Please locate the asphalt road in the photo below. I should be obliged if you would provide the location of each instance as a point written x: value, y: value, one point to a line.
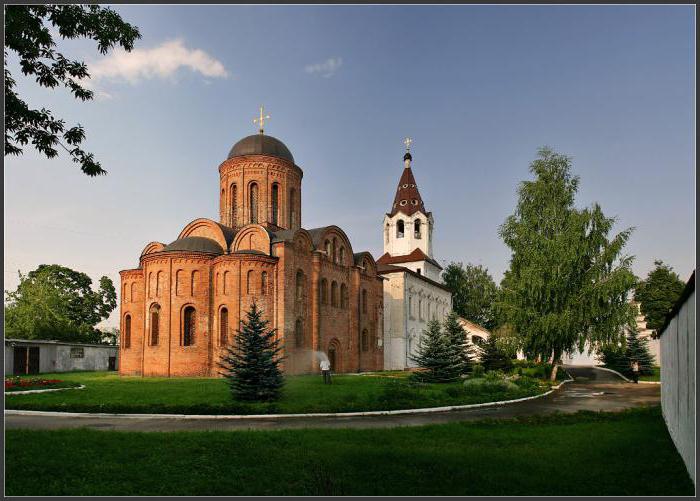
x: 592, y: 390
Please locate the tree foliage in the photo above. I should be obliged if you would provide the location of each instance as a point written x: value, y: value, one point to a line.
x: 493, y: 356
x: 251, y: 365
x: 658, y: 294
x: 568, y: 280
x: 439, y: 357
x: 621, y: 355
x: 55, y: 302
x: 28, y: 34
x: 473, y: 292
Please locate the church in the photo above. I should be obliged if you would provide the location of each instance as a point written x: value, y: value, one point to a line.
x: 413, y: 292
x: 184, y: 302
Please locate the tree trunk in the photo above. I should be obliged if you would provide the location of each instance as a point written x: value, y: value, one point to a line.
x: 555, y: 360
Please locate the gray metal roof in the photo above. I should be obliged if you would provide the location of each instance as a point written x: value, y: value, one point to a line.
x: 194, y: 244
x: 261, y: 144
x: 62, y: 343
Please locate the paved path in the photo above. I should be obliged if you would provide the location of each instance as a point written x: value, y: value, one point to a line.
x: 593, y: 390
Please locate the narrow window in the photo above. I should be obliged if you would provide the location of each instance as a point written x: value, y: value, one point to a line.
x: 410, y: 306
x: 299, y: 333
x: 233, y: 214
x: 399, y: 228
x: 193, y: 282
x: 344, y: 296
x: 133, y: 292
x: 223, y: 326
x: 155, y: 324
x: 300, y: 285
x: 364, y: 301
x: 249, y: 282
x: 416, y: 229
x: 275, y: 196
x: 365, y: 340
x: 341, y: 256
x: 418, y: 271
x: 324, y: 291
x: 263, y: 283
x: 386, y: 233
x: 158, y: 281
x: 292, y: 209
x: 334, y: 293
x: 127, y: 331
x: 253, y: 202
x: 226, y: 281
x: 188, y: 326
x: 335, y: 250
x: 329, y: 249
x: 420, y: 309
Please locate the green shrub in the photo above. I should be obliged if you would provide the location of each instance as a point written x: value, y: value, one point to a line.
x: 478, y: 371
x: 484, y: 385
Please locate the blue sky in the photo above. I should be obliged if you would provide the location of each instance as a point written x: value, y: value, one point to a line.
x: 479, y: 88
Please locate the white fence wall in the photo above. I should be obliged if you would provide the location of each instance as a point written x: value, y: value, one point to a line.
x: 678, y: 381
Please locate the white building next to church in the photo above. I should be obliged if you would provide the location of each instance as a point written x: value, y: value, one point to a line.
x: 413, y: 292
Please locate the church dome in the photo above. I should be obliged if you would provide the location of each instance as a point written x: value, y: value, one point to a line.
x: 194, y: 244
x: 261, y: 144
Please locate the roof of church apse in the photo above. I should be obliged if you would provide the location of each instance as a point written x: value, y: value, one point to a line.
x: 261, y: 144
x: 194, y: 244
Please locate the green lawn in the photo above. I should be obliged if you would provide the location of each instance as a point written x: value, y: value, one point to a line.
x: 109, y: 392
x: 586, y: 454
x: 653, y: 377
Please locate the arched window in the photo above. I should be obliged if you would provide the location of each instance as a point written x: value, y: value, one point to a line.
x: 149, y: 285
x: 364, y: 301
x: 193, y: 282
x: 179, y: 282
x: 324, y: 291
x: 329, y: 249
x: 249, y: 282
x: 188, y: 326
x: 226, y: 281
x: 335, y: 250
x: 300, y: 285
x: 233, y: 215
x: 416, y: 229
x: 275, y: 198
x: 334, y: 293
x: 263, y: 283
x: 365, y: 340
x: 127, y: 331
x: 299, y: 334
x: 155, y: 324
x: 386, y: 233
x: 133, y: 292
x: 292, y: 208
x: 420, y: 309
x: 344, y: 299
x: 223, y: 326
x: 125, y: 288
x: 341, y: 255
x: 399, y: 228
x: 253, y: 194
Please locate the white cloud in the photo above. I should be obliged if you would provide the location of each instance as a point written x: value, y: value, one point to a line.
x: 326, y: 69
x: 162, y: 61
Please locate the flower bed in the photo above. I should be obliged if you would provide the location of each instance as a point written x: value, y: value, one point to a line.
x: 17, y: 383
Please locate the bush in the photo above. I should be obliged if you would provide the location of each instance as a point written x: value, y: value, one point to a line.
x: 479, y: 386
x: 477, y: 371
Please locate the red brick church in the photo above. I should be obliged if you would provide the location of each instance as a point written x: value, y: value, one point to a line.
x: 185, y: 300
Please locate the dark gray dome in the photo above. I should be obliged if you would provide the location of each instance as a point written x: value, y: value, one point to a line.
x: 195, y: 244
x: 260, y: 144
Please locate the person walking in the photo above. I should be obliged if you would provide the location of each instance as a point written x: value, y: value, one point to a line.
x: 635, y: 371
x: 326, y: 371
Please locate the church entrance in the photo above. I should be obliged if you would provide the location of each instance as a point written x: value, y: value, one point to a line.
x: 334, y: 356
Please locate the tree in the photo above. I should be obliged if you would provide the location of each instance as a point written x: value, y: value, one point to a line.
x: 110, y: 336
x: 493, y: 357
x: 55, y: 302
x: 473, y: 292
x: 454, y: 331
x: 27, y: 33
x: 568, y: 281
x: 251, y: 366
x: 658, y: 294
x: 620, y: 356
x: 438, y: 356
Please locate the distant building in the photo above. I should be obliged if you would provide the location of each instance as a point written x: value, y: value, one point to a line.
x: 413, y: 293
x: 36, y: 356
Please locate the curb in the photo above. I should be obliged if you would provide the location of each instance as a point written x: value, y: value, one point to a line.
x: 17, y: 412
x: 27, y: 392
x: 625, y: 378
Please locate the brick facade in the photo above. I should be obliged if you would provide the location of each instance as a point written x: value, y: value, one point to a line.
x: 183, y: 303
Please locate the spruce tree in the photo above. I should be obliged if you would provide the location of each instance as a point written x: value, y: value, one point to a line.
x: 638, y: 349
x: 251, y: 366
x: 438, y: 356
x: 493, y: 357
x: 456, y: 333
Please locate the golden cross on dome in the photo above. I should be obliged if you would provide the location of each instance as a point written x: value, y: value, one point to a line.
x: 261, y: 119
x: 408, y: 142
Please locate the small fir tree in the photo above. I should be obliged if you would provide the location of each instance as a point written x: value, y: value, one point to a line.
x: 438, y: 356
x: 620, y: 357
x: 251, y: 366
x: 456, y: 333
x: 493, y: 357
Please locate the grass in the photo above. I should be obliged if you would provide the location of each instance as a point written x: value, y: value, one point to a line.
x: 652, y: 377
x: 109, y: 392
x: 587, y: 454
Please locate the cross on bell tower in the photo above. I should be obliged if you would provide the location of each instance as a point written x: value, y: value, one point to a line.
x: 261, y: 119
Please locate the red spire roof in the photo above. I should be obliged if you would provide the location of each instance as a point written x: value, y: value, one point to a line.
x: 407, y: 199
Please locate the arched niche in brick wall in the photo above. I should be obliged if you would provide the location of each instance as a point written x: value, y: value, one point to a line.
x: 151, y: 248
